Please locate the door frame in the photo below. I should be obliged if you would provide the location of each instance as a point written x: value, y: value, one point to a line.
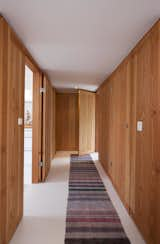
x: 36, y: 122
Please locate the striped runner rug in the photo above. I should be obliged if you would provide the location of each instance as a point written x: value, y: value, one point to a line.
x: 91, y: 217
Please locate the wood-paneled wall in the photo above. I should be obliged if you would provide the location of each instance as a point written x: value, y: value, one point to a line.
x: 13, y: 57
x: 75, y: 121
x: 131, y: 158
x: 12, y: 148
x: 86, y: 122
x: 3, y: 131
x: 67, y: 121
x: 145, y: 172
x: 114, y: 101
x: 15, y: 135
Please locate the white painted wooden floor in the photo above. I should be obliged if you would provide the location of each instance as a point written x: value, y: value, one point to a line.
x: 28, y: 156
x: 45, y: 207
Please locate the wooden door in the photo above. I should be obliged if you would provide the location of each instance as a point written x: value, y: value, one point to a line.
x: 37, y: 126
x: 86, y: 122
x: 53, y: 119
x: 67, y: 121
x: 46, y: 134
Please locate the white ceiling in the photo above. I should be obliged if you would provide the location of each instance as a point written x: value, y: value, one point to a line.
x: 80, y: 42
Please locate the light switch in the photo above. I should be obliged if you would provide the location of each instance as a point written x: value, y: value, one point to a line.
x: 20, y: 121
x: 139, y: 125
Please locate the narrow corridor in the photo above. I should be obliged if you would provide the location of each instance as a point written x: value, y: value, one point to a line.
x: 45, y: 207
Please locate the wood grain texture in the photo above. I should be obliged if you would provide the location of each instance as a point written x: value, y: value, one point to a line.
x: 53, y: 125
x: 47, y: 126
x: 3, y: 128
x: 144, y: 174
x: 12, y: 146
x: 157, y: 164
x: 15, y: 136
x: 43, y: 148
x: 67, y: 122
x: 114, y: 129
x: 86, y: 122
x: 12, y: 67
x: 131, y: 158
x: 36, y: 126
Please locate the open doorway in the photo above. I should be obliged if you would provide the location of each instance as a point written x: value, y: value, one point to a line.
x: 33, y: 123
x: 28, y: 118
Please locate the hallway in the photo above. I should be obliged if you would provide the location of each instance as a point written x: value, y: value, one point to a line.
x: 92, y: 87
x: 44, y: 217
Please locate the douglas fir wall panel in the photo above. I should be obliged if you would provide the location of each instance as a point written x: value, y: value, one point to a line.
x: 12, y: 67
x: 3, y: 128
x: 75, y: 121
x: 145, y: 144
x: 12, y: 108
x: 86, y: 122
x: 131, y: 157
x: 15, y: 135
x: 67, y: 121
x: 114, y: 123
